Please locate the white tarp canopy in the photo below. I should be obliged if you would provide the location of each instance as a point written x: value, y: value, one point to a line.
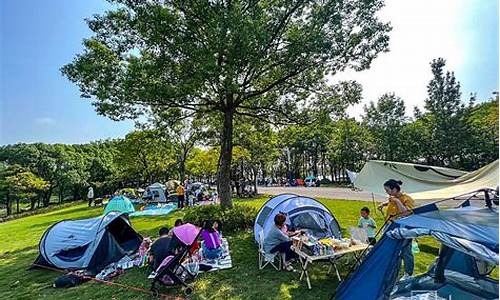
x: 426, y: 182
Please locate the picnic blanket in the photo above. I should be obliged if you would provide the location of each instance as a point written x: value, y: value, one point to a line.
x: 222, y: 263
x: 155, y: 210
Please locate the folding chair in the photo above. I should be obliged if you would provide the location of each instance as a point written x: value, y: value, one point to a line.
x: 269, y: 258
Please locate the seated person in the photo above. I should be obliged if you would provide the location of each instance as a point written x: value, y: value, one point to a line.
x: 279, y: 241
x: 212, y: 242
x: 161, y: 248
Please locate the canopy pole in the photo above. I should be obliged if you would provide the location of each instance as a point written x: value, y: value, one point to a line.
x: 487, y: 199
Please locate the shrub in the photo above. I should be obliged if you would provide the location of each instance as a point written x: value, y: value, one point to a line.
x: 240, y: 217
x: 325, y: 181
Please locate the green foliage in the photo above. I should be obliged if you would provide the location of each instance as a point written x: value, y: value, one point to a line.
x: 239, y: 217
x: 385, y: 120
x: 350, y: 144
x: 144, y: 157
x: 202, y: 163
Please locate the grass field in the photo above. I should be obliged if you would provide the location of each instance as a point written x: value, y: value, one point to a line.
x: 244, y: 281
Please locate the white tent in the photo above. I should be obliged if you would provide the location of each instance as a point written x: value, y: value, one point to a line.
x: 426, y: 182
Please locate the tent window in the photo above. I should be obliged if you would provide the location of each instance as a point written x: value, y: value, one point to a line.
x: 124, y: 235
x: 263, y: 215
x: 72, y: 254
x: 315, y: 223
x: 484, y: 268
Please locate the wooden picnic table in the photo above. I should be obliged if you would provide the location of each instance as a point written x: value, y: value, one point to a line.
x: 307, y: 260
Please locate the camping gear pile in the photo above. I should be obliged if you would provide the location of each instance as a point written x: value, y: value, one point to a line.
x: 324, y: 246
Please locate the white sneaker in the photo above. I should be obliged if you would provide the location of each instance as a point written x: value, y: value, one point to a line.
x: 405, y: 277
x: 289, y: 267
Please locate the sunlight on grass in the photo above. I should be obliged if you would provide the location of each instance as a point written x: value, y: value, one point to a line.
x: 244, y: 281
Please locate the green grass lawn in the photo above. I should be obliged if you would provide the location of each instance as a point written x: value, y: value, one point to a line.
x: 244, y: 281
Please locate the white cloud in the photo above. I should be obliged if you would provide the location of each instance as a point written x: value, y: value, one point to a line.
x: 45, y: 121
x: 422, y: 30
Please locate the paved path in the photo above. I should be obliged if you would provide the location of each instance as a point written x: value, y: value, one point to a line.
x: 320, y: 192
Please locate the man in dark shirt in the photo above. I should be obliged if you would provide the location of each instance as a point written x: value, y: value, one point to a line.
x: 161, y: 247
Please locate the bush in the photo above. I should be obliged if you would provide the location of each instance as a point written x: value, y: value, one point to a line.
x: 325, y: 181
x: 240, y: 217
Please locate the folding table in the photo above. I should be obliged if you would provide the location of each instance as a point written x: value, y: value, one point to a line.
x: 306, y: 260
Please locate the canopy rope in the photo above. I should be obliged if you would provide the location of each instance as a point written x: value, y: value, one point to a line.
x: 110, y: 283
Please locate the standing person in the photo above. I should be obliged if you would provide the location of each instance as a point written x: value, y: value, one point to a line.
x: 367, y: 223
x: 90, y: 195
x: 399, y: 205
x: 180, y: 196
x: 187, y: 187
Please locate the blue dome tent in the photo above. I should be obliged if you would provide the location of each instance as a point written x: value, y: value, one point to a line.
x: 303, y: 212
x: 88, y: 244
x: 469, y: 251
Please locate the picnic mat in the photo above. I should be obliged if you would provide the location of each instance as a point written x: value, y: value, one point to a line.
x: 225, y: 262
x: 155, y: 210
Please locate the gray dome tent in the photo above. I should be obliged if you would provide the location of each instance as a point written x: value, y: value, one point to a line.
x: 303, y: 212
x: 88, y: 244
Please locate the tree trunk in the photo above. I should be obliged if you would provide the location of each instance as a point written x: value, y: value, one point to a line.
x: 46, y: 200
x: 17, y: 205
x: 255, y: 170
x: 9, y: 209
x: 226, y: 151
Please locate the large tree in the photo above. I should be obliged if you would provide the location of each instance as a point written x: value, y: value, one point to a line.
x: 385, y: 119
x: 445, y: 117
x: 261, y: 59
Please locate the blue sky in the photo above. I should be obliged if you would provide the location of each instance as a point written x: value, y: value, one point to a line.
x: 38, y: 104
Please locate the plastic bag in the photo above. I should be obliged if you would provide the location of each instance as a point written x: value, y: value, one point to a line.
x: 414, y: 247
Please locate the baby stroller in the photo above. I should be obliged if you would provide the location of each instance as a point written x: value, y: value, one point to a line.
x: 184, y: 237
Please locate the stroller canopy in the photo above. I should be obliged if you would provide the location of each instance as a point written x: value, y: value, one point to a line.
x: 469, y: 238
x: 89, y: 243
x: 186, y: 233
x: 120, y: 204
x: 302, y: 212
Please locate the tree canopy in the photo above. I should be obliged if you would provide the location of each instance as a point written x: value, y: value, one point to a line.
x: 261, y: 59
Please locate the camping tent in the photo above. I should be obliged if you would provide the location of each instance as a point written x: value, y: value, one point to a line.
x: 120, y: 204
x: 302, y: 212
x: 88, y: 244
x: 426, y: 182
x: 155, y: 192
x: 171, y: 185
x: 469, y: 238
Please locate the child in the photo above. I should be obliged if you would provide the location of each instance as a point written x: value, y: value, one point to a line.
x: 368, y: 224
